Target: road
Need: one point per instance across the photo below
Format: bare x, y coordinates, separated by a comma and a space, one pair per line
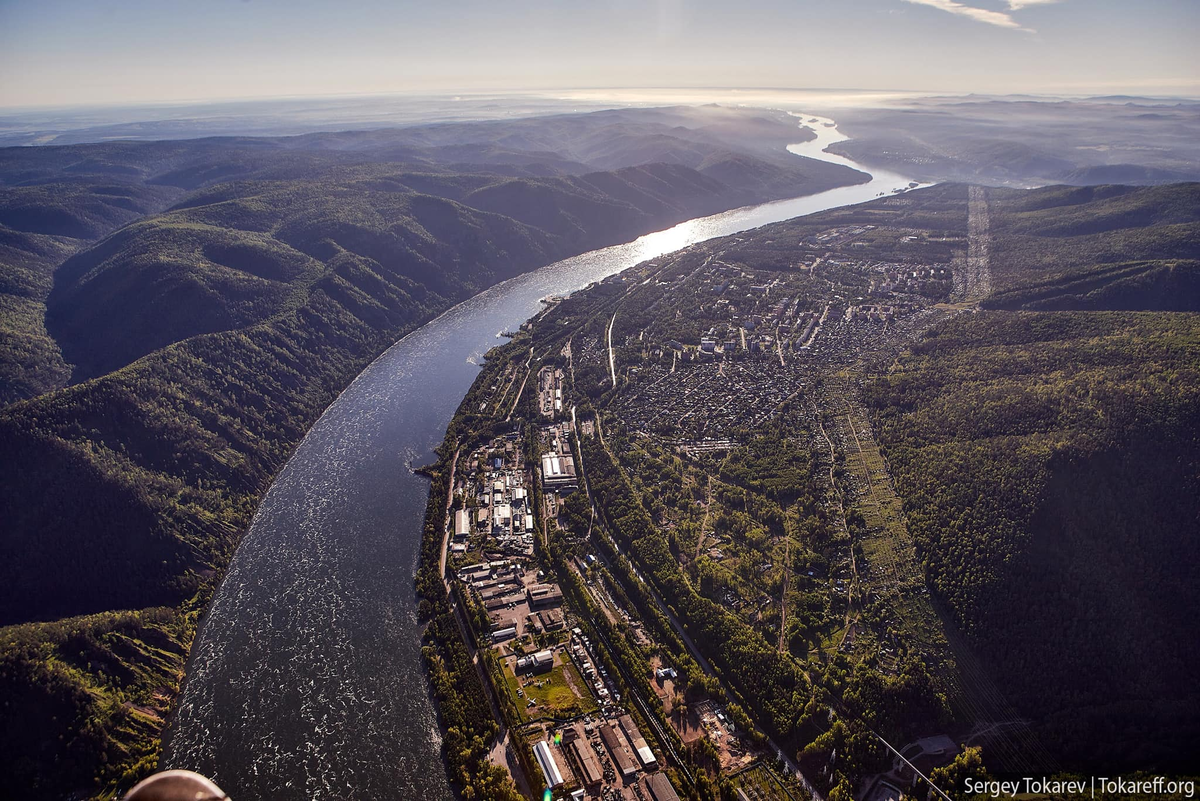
662, 736
852, 590
704, 523
707, 667
816, 329
521, 391
446, 527
500, 744
787, 572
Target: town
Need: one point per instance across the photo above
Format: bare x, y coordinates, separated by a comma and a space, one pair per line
708, 402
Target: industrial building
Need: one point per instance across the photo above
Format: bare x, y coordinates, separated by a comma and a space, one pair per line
536, 663
589, 768
462, 523
542, 595
551, 619
615, 743
546, 762
558, 471
660, 787
644, 754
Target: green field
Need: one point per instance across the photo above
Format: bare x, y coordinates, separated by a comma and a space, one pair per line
551, 692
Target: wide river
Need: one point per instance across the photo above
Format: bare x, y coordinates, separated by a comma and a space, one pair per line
306, 681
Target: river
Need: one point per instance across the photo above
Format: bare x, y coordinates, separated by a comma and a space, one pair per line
306, 680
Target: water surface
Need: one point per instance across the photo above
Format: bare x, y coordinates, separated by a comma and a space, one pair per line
306, 679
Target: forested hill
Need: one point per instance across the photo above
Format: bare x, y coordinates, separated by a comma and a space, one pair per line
176, 315
1048, 463
40, 226
580, 180
1101, 247
238, 254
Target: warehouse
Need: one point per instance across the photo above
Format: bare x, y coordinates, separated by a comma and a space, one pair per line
660, 788
462, 523
558, 472
615, 744
541, 595
589, 767
549, 767
644, 754
537, 663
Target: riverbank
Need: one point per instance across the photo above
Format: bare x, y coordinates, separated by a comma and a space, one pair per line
314, 583
479, 429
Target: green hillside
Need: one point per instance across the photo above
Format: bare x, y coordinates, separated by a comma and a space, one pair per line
1050, 472
160, 364
1104, 247
40, 226
237, 254
1048, 465
87, 697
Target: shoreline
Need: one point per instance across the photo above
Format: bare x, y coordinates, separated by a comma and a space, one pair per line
434, 539
556, 279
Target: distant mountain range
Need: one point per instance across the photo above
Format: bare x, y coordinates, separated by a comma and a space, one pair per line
565, 185
1025, 142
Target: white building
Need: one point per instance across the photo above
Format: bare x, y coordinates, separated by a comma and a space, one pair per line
549, 767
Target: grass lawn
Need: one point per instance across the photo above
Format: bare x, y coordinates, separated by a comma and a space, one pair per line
551, 692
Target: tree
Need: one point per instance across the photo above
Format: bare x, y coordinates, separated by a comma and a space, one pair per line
842, 791
951, 779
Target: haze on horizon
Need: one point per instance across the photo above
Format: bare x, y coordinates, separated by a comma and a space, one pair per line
97, 52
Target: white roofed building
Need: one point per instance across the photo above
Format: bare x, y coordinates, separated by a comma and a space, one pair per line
462, 523
558, 471
545, 758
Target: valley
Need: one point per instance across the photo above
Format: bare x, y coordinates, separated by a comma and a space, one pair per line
754, 467
239, 286
675, 401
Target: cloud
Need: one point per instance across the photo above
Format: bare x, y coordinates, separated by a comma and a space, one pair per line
1017, 5
1000, 19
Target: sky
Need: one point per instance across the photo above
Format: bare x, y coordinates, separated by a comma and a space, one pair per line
105, 52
